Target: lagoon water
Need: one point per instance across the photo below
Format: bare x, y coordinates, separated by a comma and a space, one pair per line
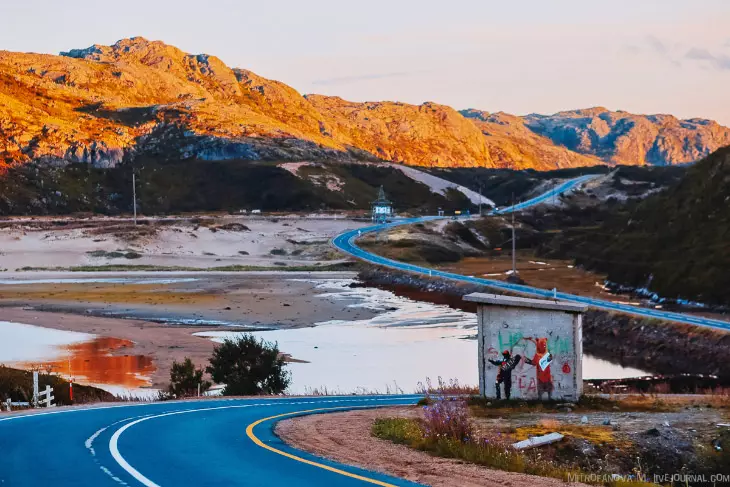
408, 342
405, 343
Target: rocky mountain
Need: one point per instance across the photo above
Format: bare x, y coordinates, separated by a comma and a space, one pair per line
512, 144
139, 99
624, 138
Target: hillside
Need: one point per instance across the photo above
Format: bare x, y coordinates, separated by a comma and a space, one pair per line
625, 138
139, 99
233, 185
675, 243
513, 145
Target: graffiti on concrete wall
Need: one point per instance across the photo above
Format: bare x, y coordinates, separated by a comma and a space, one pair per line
547, 362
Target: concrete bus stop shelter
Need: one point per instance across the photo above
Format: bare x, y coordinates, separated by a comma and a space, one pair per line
548, 336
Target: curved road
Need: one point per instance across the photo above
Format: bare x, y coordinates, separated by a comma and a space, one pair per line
346, 243
214, 442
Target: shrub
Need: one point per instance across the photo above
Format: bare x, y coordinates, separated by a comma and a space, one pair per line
248, 366
278, 252
447, 418
184, 379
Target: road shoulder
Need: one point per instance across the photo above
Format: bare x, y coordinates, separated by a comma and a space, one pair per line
345, 438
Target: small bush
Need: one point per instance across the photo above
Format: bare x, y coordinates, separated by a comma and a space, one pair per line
234, 227
398, 430
184, 379
447, 418
249, 366
278, 252
114, 255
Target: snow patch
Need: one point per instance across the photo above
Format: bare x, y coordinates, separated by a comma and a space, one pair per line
440, 185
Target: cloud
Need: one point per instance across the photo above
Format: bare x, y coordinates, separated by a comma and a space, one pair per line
657, 45
343, 80
721, 61
662, 49
699, 53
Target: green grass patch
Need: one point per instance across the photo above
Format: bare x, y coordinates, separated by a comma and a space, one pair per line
128, 254
492, 452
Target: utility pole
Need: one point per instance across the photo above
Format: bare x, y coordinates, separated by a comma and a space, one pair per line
134, 196
480, 200
70, 377
514, 240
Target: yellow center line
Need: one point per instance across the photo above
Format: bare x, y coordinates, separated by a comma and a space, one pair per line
255, 439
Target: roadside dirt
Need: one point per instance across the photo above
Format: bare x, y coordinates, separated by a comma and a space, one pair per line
345, 437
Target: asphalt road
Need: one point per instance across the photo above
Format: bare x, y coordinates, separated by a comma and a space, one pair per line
215, 442
346, 243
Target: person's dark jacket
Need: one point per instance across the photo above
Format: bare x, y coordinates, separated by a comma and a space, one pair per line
505, 367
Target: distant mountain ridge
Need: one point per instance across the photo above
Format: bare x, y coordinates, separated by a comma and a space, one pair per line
138, 98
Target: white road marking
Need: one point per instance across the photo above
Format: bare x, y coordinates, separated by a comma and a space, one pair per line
195, 401
114, 441
89, 443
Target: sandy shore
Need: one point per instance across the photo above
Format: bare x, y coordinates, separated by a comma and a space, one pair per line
345, 437
255, 300
197, 243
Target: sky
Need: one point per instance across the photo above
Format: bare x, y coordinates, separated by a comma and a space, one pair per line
517, 56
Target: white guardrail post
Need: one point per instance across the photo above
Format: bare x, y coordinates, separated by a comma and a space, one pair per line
35, 388
48, 399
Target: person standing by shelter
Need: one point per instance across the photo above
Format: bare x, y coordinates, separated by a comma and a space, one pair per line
504, 376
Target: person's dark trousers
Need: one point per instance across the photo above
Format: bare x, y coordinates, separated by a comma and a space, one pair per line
507, 388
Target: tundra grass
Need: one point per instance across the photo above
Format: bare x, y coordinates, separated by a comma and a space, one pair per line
490, 453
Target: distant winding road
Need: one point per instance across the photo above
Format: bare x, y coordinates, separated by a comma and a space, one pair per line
346, 243
214, 442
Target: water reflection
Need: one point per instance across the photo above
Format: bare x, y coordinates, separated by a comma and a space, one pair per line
96, 362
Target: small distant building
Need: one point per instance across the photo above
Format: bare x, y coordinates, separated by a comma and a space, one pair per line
382, 208
546, 334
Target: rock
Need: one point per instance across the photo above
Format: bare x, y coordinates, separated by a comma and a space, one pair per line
536, 441
584, 420
653, 432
